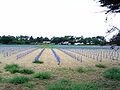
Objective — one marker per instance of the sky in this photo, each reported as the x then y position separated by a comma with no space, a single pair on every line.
50,18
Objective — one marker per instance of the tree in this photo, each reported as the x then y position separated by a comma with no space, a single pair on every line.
46,39
115,39
112,5
39,39
6,39
113,8
31,39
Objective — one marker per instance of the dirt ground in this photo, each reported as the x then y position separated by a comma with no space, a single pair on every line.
50,61
66,69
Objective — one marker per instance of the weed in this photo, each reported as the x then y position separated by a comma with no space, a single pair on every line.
113,73
13,68
19,80
26,71
100,66
42,75
68,85
81,70
38,62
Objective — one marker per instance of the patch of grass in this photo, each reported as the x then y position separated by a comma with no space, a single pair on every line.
68,85
13,68
38,62
1,79
91,69
100,66
19,80
81,70
26,71
42,75
113,73
29,85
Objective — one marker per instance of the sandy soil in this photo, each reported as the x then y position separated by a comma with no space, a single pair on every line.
50,61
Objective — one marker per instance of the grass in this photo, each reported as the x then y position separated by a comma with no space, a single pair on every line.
42,75
26,71
19,80
100,66
81,70
65,84
38,62
112,73
29,85
1,79
91,69
13,68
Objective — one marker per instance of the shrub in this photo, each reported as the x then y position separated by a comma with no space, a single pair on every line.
19,80
38,62
100,66
13,68
113,73
42,75
26,71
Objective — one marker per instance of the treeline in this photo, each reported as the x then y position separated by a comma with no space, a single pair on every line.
66,40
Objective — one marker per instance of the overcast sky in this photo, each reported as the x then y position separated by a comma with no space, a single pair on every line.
51,18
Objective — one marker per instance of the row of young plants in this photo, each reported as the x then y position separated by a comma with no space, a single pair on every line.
26,53
95,54
78,58
9,50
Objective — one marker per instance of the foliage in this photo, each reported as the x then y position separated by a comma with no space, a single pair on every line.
13,68
113,73
38,62
65,84
42,75
115,39
26,71
112,5
81,70
54,40
100,66
19,80
29,85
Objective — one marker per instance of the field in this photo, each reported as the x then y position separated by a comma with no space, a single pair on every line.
33,67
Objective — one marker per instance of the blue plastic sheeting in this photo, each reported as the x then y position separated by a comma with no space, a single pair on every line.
38,56
56,56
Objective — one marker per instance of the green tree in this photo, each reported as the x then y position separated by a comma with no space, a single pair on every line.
112,5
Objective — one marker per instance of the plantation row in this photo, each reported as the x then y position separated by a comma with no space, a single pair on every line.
92,52
9,50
